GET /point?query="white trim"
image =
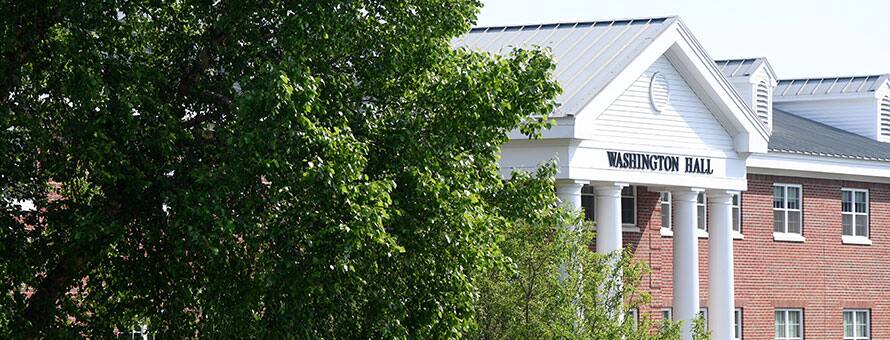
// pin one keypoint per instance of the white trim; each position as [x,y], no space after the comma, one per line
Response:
[667,232]
[867,312]
[786,311]
[788,237]
[786,210]
[737,235]
[819,166]
[857,240]
[856,215]
[701,233]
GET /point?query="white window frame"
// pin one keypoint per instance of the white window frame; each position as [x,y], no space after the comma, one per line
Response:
[667,206]
[632,196]
[669,311]
[635,314]
[737,332]
[785,235]
[785,312]
[702,215]
[737,208]
[854,238]
[867,335]
[703,311]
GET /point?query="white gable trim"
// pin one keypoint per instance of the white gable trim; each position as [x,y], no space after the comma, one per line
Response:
[749,135]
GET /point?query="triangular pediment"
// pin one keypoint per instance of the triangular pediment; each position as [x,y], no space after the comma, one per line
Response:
[660,112]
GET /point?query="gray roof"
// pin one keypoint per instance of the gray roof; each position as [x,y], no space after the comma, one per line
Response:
[795,134]
[588,55]
[739,67]
[825,86]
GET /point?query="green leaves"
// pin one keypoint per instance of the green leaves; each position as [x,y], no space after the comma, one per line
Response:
[252,169]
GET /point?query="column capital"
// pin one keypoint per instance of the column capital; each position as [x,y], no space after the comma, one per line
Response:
[608,189]
[686,194]
[569,186]
[721,196]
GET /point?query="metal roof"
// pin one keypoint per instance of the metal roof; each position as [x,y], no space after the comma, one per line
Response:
[826,86]
[588,55]
[795,134]
[739,67]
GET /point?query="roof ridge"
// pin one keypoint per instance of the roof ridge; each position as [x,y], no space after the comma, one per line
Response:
[656,19]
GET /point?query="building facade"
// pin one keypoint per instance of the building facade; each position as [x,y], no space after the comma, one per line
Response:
[762,203]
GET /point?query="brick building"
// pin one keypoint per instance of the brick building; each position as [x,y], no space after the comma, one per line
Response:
[763,203]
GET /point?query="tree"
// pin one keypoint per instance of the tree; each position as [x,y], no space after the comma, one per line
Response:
[252,168]
[553,285]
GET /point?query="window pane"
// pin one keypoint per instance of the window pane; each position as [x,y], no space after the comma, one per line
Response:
[587,189]
[861,225]
[778,197]
[861,202]
[846,201]
[737,324]
[627,210]
[627,191]
[847,223]
[701,198]
[793,198]
[861,324]
[794,222]
[735,200]
[779,221]
[666,215]
[780,324]
[794,324]
[848,324]
[588,202]
[666,197]
[702,218]
[736,219]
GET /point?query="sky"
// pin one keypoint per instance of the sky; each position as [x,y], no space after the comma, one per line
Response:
[815,38]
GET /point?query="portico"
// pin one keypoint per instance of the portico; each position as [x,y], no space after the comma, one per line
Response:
[643,106]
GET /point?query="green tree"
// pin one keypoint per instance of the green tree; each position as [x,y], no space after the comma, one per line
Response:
[316,169]
[553,285]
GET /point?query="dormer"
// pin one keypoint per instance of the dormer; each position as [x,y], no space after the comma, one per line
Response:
[860,105]
[754,80]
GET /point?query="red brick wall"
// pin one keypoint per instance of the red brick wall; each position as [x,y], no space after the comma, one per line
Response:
[821,275]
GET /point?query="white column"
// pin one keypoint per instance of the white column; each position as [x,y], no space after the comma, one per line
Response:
[608,217]
[569,193]
[721,289]
[686,299]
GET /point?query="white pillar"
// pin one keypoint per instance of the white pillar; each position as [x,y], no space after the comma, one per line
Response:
[721,289]
[686,298]
[569,193]
[608,217]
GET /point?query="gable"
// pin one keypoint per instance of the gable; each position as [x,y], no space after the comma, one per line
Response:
[631,122]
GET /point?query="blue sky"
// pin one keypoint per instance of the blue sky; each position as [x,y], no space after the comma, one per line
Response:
[816,38]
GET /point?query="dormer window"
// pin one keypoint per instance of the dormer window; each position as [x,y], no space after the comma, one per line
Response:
[885,117]
[761,102]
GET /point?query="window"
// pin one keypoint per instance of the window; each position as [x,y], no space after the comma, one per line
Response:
[856,324]
[789,324]
[737,324]
[702,207]
[629,206]
[704,315]
[667,313]
[787,209]
[854,212]
[588,202]
[666,222]
[737,213]
[635,314]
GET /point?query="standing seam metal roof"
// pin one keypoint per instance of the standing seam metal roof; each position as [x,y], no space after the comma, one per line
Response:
[588,55]
[825,86]
[738,67]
